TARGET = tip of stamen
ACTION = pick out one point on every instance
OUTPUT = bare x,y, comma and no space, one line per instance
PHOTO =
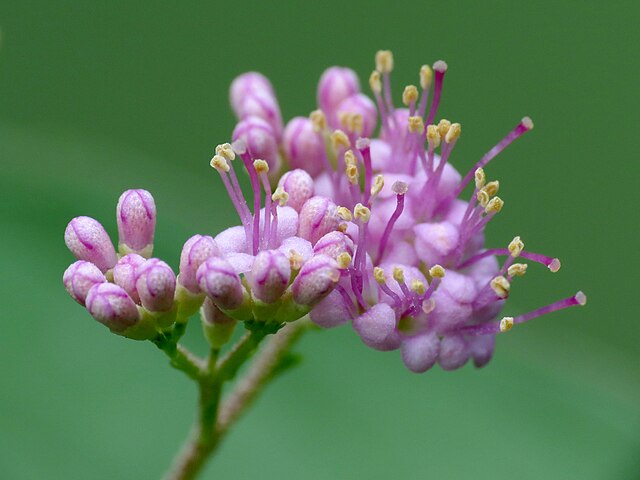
400,188
426,75
555,265
440,66
454,133
280,196
398,274
409,95
340,139
378,184
480,177
295,260
433,136
527,123
494,205
349,158
374,82
437,271
384,61
492,188
345,214
416,125
318,120
344,260
351,171
418,287
378,275
581,298
261,166
226,151
219,163
517,270
443,127
361,213
500,286
506,324
516,247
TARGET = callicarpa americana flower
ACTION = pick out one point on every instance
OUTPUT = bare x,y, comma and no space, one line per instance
339,225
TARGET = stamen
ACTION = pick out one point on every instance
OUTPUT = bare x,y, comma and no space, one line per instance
280,196
225,150
453,133
384,61
492,188
418,287
255,185
524,126
440,69
506,324
409,98
500,286
378,275
426,76
494,205
295,260
579,299
375,83
480,178
433,136
517,270
416,125
362,213
345,214
516,246
235,193
378,185
344,260
552,263
443,127
220,164
318,120
364,147
340,139
262,169
437,271
400,189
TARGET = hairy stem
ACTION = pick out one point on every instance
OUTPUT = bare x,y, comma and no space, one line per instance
214,421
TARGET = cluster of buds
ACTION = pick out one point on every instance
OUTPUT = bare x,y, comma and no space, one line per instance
339,225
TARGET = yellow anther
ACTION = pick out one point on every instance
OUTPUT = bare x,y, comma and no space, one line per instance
440,66
426,75
362,213
349,158
378,275
494,205
500,286
436,271
356,123
295,260
345,214
416,125
483,198
480,178
506,324
384,61
352,173
433,136
409,95
527,123
280,196
340,139
398,274
453,133
318,120
428,305
492,188
219,163
517,270
343,227
443,128
344,260
516,247
374,82
226,151
261,166
378,185
418,287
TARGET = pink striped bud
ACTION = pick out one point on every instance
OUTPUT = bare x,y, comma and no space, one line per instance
217,326
249,83
124,274
304,147
251,94
156,285
110,305
331,312
260,140
270,275
136,217
80,277
196,250
219,280
318,216
316,280
336,84
377,327
454,352
420,353
333,244
299,186
89,241
358,104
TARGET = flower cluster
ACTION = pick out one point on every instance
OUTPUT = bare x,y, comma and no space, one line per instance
339,225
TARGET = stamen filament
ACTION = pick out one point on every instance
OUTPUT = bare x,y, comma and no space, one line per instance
552,264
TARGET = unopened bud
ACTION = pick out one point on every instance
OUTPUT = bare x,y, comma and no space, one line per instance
336,84
316,280
156,285
110,305
217,326
333,244
87,239
270,275
136,218
80,277
302,144
318,216
124,274
299,187
219,280
196,250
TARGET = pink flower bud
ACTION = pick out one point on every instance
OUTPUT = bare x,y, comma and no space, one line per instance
454,352
80,277
124,274
219,280
304,147
436,241
232,240
110,305
482,349
420,353
332,311
377,327
453,301
299,245
156,285
316,279
333,244
217,326
336,84
195,251
358,104
89,241
270,275
299,186
318,216
136,217
252,95
260,140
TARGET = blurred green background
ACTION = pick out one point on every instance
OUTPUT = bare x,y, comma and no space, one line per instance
97,97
